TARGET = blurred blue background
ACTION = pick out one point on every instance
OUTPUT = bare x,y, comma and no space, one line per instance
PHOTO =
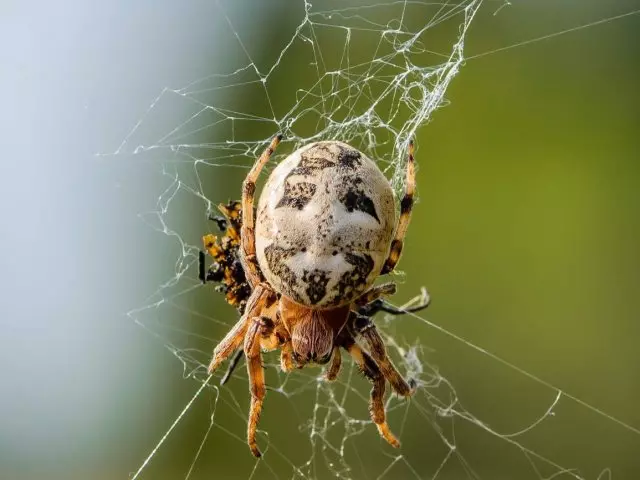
526,234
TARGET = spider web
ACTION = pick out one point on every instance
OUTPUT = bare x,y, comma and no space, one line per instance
372,76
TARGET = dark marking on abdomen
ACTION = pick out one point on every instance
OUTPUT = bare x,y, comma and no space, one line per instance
276,257
354,199
349,157
313,160
297,195
316,281
354,279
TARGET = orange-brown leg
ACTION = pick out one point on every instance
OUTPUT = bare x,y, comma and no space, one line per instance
405,215
334,367
376,403
256,382
364,329
247,233
286,357
235,360
375,293
235,337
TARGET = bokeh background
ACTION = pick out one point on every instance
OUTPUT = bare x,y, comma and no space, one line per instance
526,234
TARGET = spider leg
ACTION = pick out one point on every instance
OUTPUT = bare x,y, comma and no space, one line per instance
405,215
233,339
363,328
380,305
229,343
247,233
375,293
272,335
286,357
392,309
256,382
334,367
376,403
235,360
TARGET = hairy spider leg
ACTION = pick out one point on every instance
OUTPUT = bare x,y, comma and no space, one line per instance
368,310
376,402
405,215
247,235
256,382
375,293
233,339
380,305
333,368
364,329
263,334
235,360
286,357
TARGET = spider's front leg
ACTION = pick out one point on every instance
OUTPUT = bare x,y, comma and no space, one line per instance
363,328
369,309
260,297
333,368
375,293
235,360
256,381
376,402
264,333
286,357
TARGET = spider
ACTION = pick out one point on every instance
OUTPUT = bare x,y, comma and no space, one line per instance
324,230
227,270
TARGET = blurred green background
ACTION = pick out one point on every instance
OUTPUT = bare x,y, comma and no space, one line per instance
526,234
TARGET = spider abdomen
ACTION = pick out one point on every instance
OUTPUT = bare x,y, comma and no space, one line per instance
324,225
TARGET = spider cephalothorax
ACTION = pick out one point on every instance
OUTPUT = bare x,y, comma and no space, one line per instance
326,229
